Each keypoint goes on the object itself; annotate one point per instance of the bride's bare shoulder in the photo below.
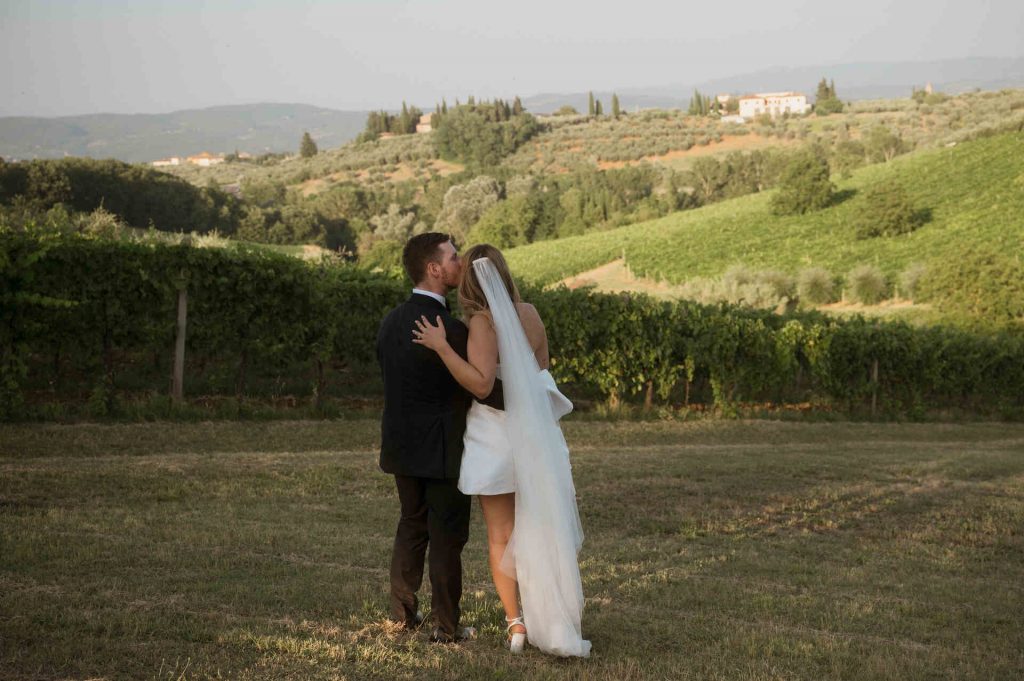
(527, 311)
(530, 317)
(482, 320)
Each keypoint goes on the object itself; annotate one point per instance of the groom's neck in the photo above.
(434, 287)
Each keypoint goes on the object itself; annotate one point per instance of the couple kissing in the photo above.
(470, 409)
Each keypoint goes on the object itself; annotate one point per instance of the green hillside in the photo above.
(974, 192)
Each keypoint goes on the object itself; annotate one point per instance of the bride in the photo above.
(516, 460)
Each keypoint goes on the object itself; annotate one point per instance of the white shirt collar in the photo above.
(435, 296)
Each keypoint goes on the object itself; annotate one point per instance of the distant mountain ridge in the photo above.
(865, 80)
(260, 128)
(253, 128)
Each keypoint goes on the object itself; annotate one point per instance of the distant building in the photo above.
(205, 159)
(424, 124)
(172, 161)
(773, 104)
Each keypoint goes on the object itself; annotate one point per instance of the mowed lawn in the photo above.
(714, 550)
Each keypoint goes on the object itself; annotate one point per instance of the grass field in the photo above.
(714, 550)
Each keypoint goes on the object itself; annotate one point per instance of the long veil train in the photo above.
(542, 553)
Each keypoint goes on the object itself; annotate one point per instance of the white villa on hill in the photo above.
(773, 104)
(205, 159)
(172, 161)
(424, 125)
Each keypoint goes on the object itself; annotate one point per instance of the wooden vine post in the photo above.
(874, 387)
(178, 381)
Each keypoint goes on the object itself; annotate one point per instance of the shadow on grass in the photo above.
(842, 196)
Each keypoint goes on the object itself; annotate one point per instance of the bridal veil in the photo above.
(542, 553)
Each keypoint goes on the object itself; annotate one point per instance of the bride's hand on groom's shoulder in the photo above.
(425, 333)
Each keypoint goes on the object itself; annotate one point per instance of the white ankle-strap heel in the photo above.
(517, 641)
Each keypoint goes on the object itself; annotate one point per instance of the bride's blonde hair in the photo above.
(471, 294)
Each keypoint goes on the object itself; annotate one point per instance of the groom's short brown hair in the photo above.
(420, 250)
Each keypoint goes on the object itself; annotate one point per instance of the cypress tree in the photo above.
(696, 104)
(598, 111)
(822, 93)
(307, 147)
(616, 112)
(517, 107)
(590, 104)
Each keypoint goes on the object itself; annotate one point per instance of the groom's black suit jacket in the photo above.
(424, 407)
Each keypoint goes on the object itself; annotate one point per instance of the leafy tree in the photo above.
(396, 225)
(263, 193)
(825, 100)
(882, 144)
(479, 136)
(138, 195)
(888, 211)
(805, 185)
(828, 106)
(846, 156)
(383, 254)
(307, 148)
(567, 110)
(465, 203)
(506, 224)
(709, 178)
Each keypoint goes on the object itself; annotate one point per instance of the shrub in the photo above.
(888, 211)
(815, 286)
(866, 284)
(739, 285)
(984, 282)
(910, 280)
(805, 185)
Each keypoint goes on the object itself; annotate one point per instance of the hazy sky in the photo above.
(65, 57)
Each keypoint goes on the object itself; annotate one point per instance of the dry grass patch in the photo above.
(714, 550)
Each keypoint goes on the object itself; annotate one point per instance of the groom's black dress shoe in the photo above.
(462, 634)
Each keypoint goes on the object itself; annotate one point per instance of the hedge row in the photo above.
(83, 313)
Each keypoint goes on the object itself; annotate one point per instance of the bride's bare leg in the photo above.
(500, 515)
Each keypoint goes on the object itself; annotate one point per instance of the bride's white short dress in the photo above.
(487, 455)
(487, 466)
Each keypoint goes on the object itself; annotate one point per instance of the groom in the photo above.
(421, 441)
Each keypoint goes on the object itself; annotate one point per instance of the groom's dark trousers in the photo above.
(421, 445)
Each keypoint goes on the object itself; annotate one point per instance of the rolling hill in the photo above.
(253, 128)
(974, 192)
